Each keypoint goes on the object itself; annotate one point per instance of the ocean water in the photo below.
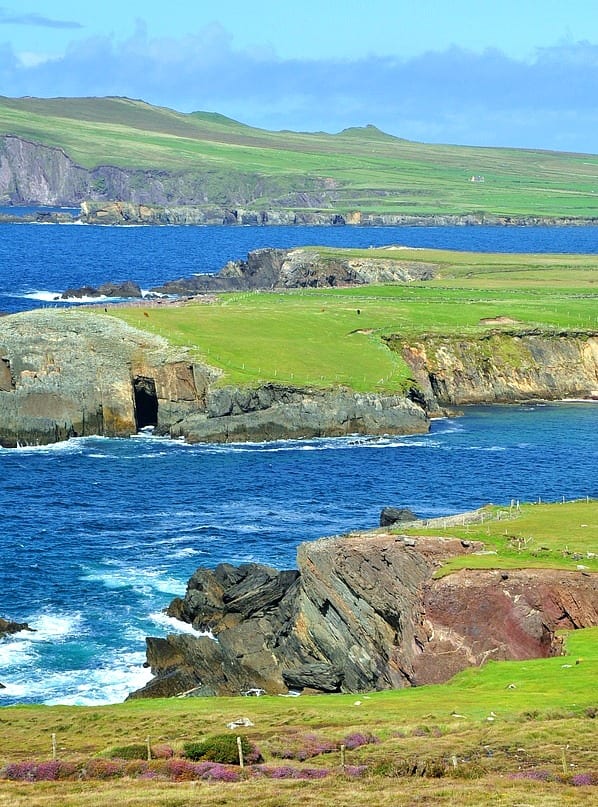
(98, 535)
(39, 261)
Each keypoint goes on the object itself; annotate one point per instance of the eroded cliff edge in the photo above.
(363, 612)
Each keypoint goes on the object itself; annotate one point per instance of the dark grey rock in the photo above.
(319, 676)
(396, 515)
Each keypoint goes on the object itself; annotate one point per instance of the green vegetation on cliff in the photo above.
(323, 337)
(527, 536)
(359, 169)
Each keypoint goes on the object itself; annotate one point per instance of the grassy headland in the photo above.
(317, 337)
(359, 169)
(527, 536)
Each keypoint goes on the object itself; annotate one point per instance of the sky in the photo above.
(514, 73)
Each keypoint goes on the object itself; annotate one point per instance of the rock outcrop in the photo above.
(299, 268)
(502, 366)
(7, 626)
(74, 373)
(275, 412)
(363, 612)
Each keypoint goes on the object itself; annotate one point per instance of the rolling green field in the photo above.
(359, 169)
(496, 723)
(528, 536)
(316, 337)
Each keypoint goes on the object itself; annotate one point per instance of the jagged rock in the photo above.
(396, 515)
(8, 626)
(319, 676)
(274, 412)
(299, 268)
(126, 289)
(363, 612)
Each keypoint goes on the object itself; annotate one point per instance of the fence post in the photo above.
(149, 749)
(53, 745)
(343, 755)
(240, 749)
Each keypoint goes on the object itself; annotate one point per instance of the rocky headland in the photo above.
(92, 374)
(362, 612)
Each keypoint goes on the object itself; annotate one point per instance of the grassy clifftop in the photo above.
(329, 336)
(359, 169)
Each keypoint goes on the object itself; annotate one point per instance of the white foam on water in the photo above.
(187, 552)
(44, 296)
(99, 686)
(172, 625)
(15, 652)
(144, 581)
(74, 445)
(53, 627)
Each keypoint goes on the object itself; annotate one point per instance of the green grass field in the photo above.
(526, 536)
(499, 720)
(363, 168)
(315, 336)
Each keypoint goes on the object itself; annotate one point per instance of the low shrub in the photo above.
(32, 771)
(162, 751)
(290, 772)
(133, 751)
(357, 739)
(584, 779)
(103, 769)
(533, 775)
(304, 746)
(413, 766)
(222, 748)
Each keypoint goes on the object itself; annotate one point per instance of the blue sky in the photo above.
(507, 73)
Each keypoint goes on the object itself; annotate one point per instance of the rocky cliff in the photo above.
(362, 612)
(71, 373)
(294, 208)
(74, 373)
(299, 268)
(502, 366)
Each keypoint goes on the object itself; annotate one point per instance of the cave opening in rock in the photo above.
(146, 402)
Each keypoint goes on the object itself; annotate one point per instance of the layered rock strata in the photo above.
(363, 612)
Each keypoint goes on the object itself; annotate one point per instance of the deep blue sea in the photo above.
(98, 535)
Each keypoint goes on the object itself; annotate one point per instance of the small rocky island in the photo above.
(362, 612)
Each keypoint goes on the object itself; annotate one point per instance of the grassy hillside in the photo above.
(359, 169)
(517, 732)
(316, 337)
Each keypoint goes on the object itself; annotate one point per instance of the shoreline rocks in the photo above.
(7, 626)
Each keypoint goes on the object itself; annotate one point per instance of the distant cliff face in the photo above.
(503, 366)
(363, 612)
(34, 173)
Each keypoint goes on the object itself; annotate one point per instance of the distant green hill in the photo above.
(357, 170)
